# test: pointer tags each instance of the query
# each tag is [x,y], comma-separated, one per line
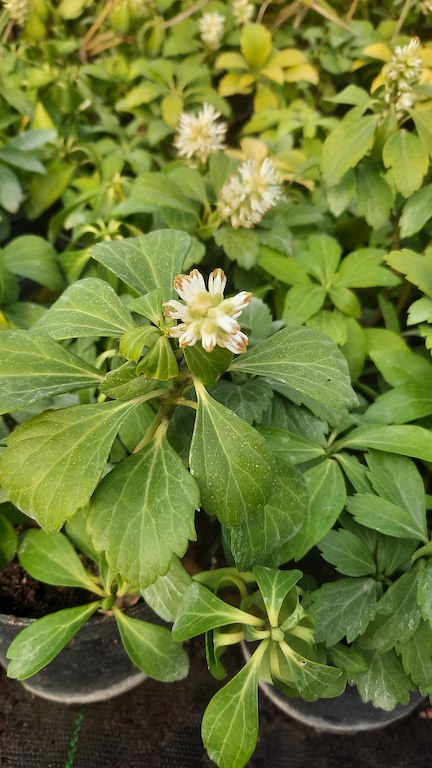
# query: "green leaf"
[256,321]
[45,190]
[152,649]
[312,679]
[133,342]
[35,258]
[33,368]
[123,384]
[240,245]
[424,594]
[302,302]
[8,541]
[384,516]
[403,439]
[398,614]
[159,362]
[207,366]
[230,462]
[416,212]
[54,461]
[143,512]
[406,156]
[135,425]
[249,400]
[385,684]
[147,262]
[257,539]
[348,553]
[150,306]
[423,123]
[11,194]
[153,191]
[284,268]
[40,642]
[89,307]
[400,367]
[327,495]
[230,723]
[164,596]
[347,144]
[364,268]
[290,447]
[200,610]
[416,657]
[256,46]
[52,559]
[417,267]
[374,196]
[344,608]
[304,359]
[274,586]
[405,403]
[397,479]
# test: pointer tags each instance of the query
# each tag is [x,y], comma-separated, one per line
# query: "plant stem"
[166,409]
[185,14]
[402,17]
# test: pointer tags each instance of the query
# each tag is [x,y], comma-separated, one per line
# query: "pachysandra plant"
[151,400]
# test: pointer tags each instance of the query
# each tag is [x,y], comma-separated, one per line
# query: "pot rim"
[10,619]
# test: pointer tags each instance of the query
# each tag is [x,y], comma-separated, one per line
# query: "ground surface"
[158,726]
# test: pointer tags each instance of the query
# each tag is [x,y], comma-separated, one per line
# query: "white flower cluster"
[401,73]
[243,12]
[199,136]
[426,7]
[206,316]
[245,198]
[212,27]
[18,10]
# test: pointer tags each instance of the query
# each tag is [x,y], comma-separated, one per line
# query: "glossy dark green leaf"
[230,723]
[398,613]
[230,462]
[54,461]
[348,553]
[385,683]
[200,610]
[35,258]
[147,262]
[42,640]
[343,608]
[52,559]
[33,368]
[306,360]
[207,366]
[8,541]
[164,596]
[274,586]
[89,307]
[258,539]
[152,648]
[143,512]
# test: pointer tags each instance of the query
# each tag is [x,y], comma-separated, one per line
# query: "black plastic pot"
[343,714]
[93,666]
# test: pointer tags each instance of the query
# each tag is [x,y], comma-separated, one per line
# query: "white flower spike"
[246,198]
[199,136]
[212,27]
[206,316]
[243,12]
[18,10]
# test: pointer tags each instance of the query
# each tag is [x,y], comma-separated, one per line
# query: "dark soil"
[22,596]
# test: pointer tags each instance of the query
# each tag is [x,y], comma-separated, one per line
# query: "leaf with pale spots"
[53,463]
[147,262]
[89,307]
[306,360]
[230,462]
[143,513]
[33,368]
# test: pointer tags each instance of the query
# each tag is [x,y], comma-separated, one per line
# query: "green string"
[74,740]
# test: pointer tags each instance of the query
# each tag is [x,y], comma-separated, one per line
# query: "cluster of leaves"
[113,438]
